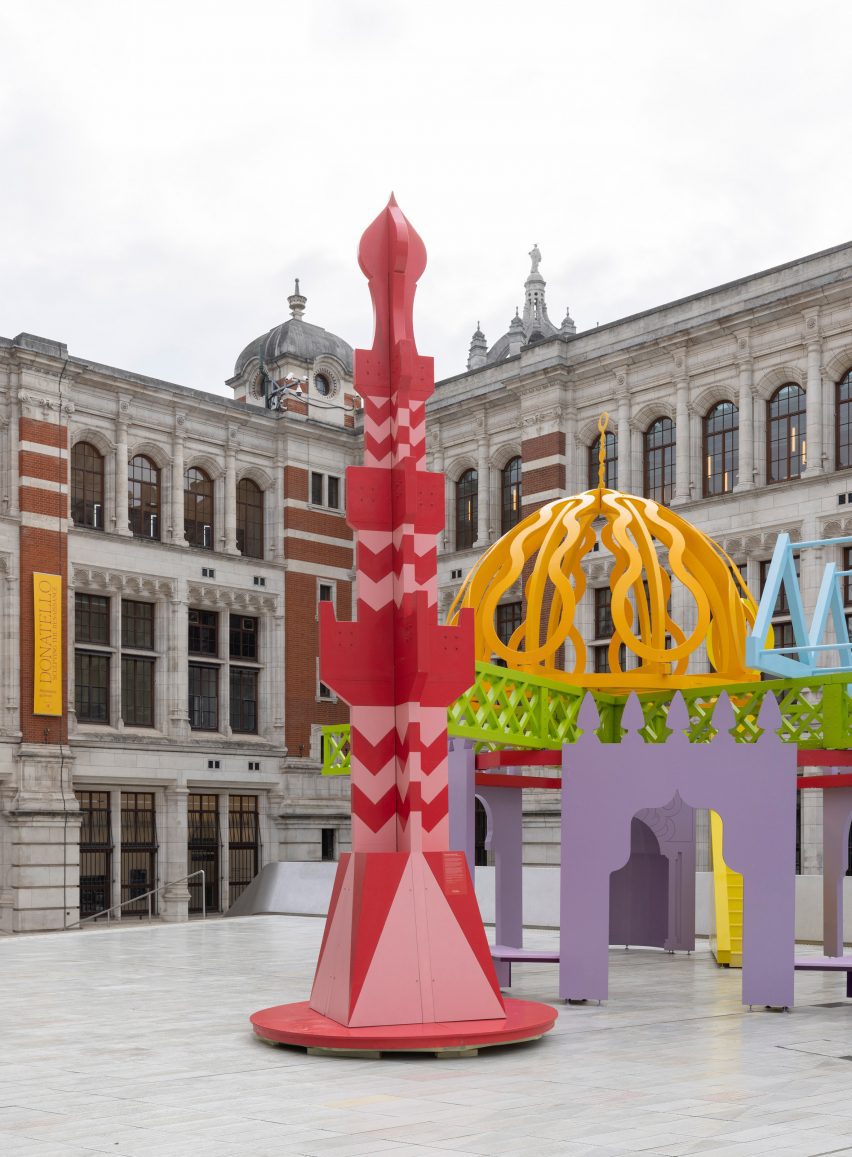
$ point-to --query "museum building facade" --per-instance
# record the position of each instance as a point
(194, 535)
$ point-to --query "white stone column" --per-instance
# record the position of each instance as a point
(682, 456)
(272, 696)
(625, 454)
(176, 661)
(10, 679)
(637, 458)
(746, 431)
(277, 516)
(483, 469)
(178, 485)
(10, 474)
(115, 660)
(43, 839)
(697, 465)
(121, 499)
(224, 683)
(573, 482)
(231, 492)
(438, 467)
(174, 900)
(815, 463)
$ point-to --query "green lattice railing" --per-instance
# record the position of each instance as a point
(510, 709)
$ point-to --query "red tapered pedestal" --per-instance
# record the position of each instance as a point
(404, 943)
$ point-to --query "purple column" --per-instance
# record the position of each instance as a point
(461, 776)
(836, 817)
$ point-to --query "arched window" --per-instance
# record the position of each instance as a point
(143, 497)
(721, 449)
(660, 460)
(198, 508)
(786, 448)
(843, 422)
(510, 495)
(87, 486)
(610, 463)
(467, 509)
(249, 518)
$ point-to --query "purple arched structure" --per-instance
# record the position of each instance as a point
(652, 898)
(751, 786)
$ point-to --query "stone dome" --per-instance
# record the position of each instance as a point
(673, 592)
(296, 338)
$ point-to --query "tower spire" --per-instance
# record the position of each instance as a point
(297, 302)
(478, 350)
(536, 321)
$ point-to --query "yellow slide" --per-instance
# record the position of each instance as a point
(727, 940)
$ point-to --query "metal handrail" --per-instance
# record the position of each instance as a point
(148, 895)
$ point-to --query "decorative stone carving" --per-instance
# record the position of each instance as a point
(231, 598)
(45, 403)
(119, 582)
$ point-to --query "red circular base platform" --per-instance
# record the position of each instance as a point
(298, 1024)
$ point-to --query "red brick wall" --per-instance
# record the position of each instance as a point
(317, 522)
(296, 483)
(545, 446)
(42, 550)
(539, 479)
(302, 708)
(302, 647)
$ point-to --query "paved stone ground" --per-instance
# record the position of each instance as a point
(136, 1042)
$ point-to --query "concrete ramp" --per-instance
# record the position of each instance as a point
(287, 888)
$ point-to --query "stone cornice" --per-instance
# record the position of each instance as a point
(99, 579)
(232, 598)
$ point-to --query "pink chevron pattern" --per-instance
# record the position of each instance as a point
(397, 668)
(404, 941)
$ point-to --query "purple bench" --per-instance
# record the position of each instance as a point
(827, 964)
(523, 955)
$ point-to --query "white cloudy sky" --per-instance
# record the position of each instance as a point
(168, 166)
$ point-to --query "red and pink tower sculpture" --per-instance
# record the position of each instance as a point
(404, 961)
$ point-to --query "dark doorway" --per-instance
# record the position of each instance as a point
(482, 857)
(243, 844)
(138, 852)
(203, 851)
(639, 893)
(95, 852)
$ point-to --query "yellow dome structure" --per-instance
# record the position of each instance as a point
(653, 550)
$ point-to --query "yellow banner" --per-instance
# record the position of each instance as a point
(47, 644)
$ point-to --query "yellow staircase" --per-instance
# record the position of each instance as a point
(726, 941)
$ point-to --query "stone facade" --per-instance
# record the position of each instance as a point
(151, 752)
(231, 716)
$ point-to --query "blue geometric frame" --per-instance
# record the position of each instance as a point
(808, 640)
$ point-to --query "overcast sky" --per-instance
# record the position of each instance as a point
(169, 166)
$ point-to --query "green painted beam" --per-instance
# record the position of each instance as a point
(511, 709)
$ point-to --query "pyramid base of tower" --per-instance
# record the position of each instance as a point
(404, 944)
(299, 1025)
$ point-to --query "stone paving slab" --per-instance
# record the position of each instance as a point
(136, 1042)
